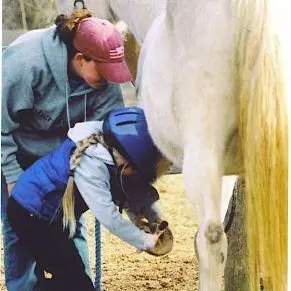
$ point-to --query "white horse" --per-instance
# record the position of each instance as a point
(212, 87)
(211, 81)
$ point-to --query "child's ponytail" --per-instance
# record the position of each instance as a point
(69, 219)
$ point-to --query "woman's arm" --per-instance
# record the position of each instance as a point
(17, 96)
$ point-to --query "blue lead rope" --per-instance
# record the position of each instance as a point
(98, 260)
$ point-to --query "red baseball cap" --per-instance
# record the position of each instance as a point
(102, 42)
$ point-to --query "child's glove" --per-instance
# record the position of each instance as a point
(164, 235)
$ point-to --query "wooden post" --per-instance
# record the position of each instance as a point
(235, 274)
(23, 15)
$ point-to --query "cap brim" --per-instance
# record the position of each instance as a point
(115, 72)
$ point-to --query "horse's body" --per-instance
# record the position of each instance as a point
(211, 76)
(211, 83)
(190, 119)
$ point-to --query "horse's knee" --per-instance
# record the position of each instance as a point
(210, 242)
(213, 232)
(214, 235)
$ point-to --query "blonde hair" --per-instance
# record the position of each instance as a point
(69, 219)
(263, 130)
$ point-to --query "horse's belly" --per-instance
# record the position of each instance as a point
(156, 89)
(163, 127)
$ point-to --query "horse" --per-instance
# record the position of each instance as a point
(212, 84)
(212, 81)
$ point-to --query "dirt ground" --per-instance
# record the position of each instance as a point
(125, 270)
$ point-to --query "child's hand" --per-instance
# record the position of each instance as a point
(162, 235)
(158, 229)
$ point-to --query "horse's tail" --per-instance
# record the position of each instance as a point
(263, 129)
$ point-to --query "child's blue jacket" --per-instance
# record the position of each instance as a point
(40, 188)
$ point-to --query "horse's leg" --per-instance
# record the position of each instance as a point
(203, 185)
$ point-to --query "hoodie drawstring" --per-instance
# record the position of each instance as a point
(67, 105)
(85, 109)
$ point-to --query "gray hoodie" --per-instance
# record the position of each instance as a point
(39, 102)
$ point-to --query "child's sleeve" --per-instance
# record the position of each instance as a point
(92, 180)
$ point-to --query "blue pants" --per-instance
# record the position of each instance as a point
(20, 267)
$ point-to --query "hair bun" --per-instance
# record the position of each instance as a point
(61, 19)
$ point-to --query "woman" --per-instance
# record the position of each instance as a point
(106, 156)
(52, 79)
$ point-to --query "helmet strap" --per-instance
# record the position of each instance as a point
(119, 177)
(110, 149)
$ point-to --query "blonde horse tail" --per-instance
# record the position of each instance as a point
(263, 130)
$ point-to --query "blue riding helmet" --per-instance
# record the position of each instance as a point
(126, 130)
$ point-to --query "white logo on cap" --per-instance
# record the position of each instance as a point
(116, 53)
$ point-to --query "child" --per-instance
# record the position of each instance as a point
(108, 163)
